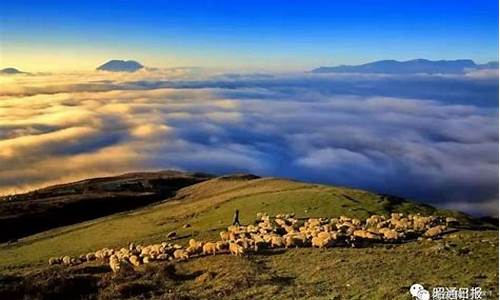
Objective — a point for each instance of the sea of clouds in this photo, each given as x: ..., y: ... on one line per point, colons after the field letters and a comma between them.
x: 431, y: 138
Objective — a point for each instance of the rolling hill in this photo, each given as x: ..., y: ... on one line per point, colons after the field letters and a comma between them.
x: 64, y: 204
x: 379, y: 272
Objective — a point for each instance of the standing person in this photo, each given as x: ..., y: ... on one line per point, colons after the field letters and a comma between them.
x: 236, y: 218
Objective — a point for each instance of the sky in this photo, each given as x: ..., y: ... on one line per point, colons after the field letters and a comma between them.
x: 250, y: 35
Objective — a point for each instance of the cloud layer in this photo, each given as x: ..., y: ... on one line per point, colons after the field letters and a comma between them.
x: 433, y: 138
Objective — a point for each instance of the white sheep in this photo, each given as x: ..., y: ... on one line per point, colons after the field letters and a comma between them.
x: 236, y: 249
x: 283, y: 232
x: 181, y: 254
x: 209, y: 248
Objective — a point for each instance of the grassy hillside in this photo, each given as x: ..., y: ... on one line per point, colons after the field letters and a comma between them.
x: 464, y: 258
x: 207, y: 207
x: 71, y: 203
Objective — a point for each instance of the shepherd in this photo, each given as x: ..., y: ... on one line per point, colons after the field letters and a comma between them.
x: 236, y: 218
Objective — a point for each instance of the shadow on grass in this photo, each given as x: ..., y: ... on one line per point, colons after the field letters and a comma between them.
x: 169, y: 271
x: 280, y: 280
x: 270, y: 252
x: 48, y: 285
x: 180, y: 237
x: 100, y: 269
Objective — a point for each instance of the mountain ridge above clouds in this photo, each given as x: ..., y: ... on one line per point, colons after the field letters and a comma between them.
x: 116, y: 65
x: 11, y: 71
x: 415, y: 66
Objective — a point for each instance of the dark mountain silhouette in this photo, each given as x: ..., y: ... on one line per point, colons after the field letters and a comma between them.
x: 415, y: 66
x: 10, y: 71
x: 120, y: 66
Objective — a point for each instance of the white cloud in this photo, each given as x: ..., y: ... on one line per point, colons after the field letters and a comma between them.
x: 426, y: 143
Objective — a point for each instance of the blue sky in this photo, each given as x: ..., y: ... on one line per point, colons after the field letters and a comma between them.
x: 280, y: 35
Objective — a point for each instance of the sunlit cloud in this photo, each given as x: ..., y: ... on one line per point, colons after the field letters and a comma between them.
x: 429, y: 143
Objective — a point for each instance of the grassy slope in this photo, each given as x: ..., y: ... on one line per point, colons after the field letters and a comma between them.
x: 464, y: 259
x: 208, y: 207
x: 43, y: 209
x: 347, y: 273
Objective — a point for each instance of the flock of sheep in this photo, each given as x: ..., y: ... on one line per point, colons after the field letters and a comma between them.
x: 282, y: 231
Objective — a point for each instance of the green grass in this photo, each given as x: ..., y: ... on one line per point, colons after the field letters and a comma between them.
x: 463, y: 259
x: 208, y: 207
x: 379, y: 272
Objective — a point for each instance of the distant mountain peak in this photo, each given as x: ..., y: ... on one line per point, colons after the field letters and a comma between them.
x: 488, y: 65
x: 414, y: 66
x: 116, y: 65
x: 11, y: 71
